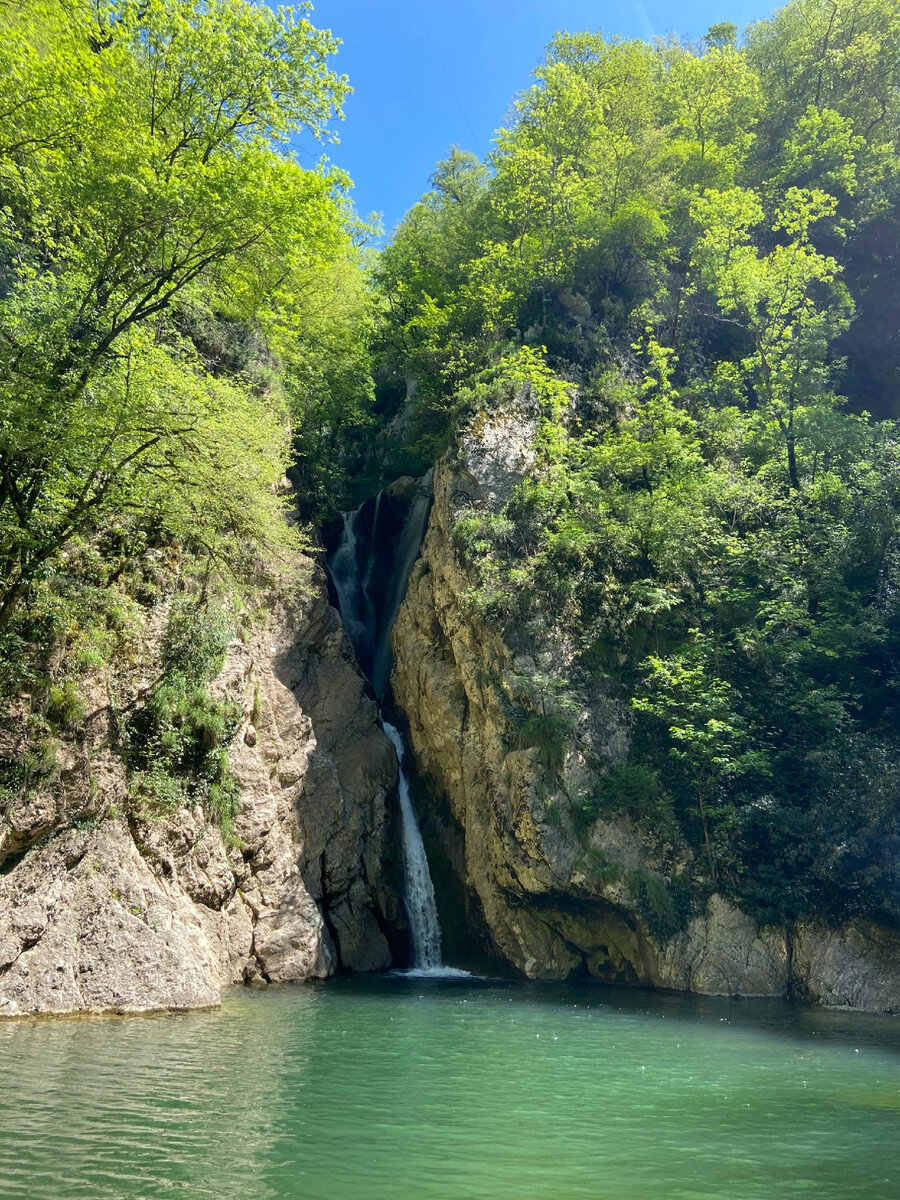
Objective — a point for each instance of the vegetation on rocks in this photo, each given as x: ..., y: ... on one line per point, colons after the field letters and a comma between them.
x: 680, y: 256
x: 184, y: 312
x: 176, y: 740
x: 181, y: 305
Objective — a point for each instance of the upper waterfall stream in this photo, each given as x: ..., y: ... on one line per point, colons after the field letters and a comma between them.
x: 370, y: 568
x: 358, y: 568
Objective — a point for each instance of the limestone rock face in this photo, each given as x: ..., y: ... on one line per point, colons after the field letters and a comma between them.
x: 536, y: 894
x: 102, y: 914
x: 86, y: 926
x: 856, y: 966
x: 725, y: 952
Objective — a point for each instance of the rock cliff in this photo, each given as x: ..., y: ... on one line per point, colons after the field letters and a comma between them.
x: 548, y: 898
x: 101, y: 910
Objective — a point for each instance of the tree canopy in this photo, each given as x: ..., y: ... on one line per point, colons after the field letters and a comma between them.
x: 160, y: 250
x: 696, y: 243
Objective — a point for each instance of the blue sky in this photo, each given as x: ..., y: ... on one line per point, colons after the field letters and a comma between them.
x: 427, y: 74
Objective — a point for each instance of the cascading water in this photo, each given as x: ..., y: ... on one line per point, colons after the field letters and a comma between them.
x: 368, y: 601
x: 356, y: 608
x: 368, y: 620
x: 420, y: 902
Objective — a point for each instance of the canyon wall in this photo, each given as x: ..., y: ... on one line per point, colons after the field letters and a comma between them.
x: 103, y: 910
x: 543, y: 895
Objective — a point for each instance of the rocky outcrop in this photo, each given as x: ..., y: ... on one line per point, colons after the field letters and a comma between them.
x: 103, y: 913
x: 546, y: 898
x: 854, y: 966
x: 86, y: 926
x: 724, y: 952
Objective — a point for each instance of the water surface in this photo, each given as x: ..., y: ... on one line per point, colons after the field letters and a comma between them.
x: 437, y: 1089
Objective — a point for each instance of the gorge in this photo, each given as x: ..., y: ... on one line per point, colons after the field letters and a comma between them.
x: 370, y: 576
x: 449, y: 695
x: 644, y: 356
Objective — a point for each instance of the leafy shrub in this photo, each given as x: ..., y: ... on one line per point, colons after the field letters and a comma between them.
x: 35, y: 763
x: 195, y: 641
x: 663, y: 909
x: 635, y: 790
x: 598, y: 869
x: 65, y: 706
x: 177, y: 741
x: 550, y: 733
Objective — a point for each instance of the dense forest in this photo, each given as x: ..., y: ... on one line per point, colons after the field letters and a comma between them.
x: 177, y: 293
x: 685, y: 255
x: 689, y: 255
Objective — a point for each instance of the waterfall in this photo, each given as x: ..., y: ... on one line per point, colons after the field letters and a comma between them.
x: 356, y: 609
x: 420, y: 903
x: 369, y: 604
x: 368, y: 619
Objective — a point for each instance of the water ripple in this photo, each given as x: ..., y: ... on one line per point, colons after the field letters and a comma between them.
x: 398, y: 1087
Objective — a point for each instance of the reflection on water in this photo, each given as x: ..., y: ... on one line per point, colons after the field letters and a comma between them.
x: 440, y: 1088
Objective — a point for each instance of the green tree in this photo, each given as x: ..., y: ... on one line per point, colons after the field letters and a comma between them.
x: 143, y: 176
x: 837, y: 54
x: 788, y: 302
x: 708, y: 734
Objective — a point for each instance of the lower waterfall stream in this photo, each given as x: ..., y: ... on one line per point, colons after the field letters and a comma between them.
x: 420, y: 902
x: 368, y: 620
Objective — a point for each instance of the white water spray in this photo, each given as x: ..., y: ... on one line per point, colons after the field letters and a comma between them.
x: 420, y: 902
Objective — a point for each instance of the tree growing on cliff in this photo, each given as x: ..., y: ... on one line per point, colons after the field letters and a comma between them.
x: 708, y: 734
x: 788, y: 302
x: 145, y: 182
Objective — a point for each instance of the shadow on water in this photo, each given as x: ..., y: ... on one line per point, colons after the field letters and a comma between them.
x: 395, y: 1085
x: 773, y: 1017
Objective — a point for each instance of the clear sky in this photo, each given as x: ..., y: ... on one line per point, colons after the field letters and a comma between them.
x: 428, y: 74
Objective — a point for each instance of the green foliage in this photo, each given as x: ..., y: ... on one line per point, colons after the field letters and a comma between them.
x: 195, y: 641
x: 176, y: 742
x: 161, y: 253
x: 550, y: 733
x: 663, y: 908
x: 707, y: 732
x: 633, y: 789
x: 34, y: 765
x: 598, y: 870
x: 65, y: 706
x: 674, y: 264
x: 184, y: 310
